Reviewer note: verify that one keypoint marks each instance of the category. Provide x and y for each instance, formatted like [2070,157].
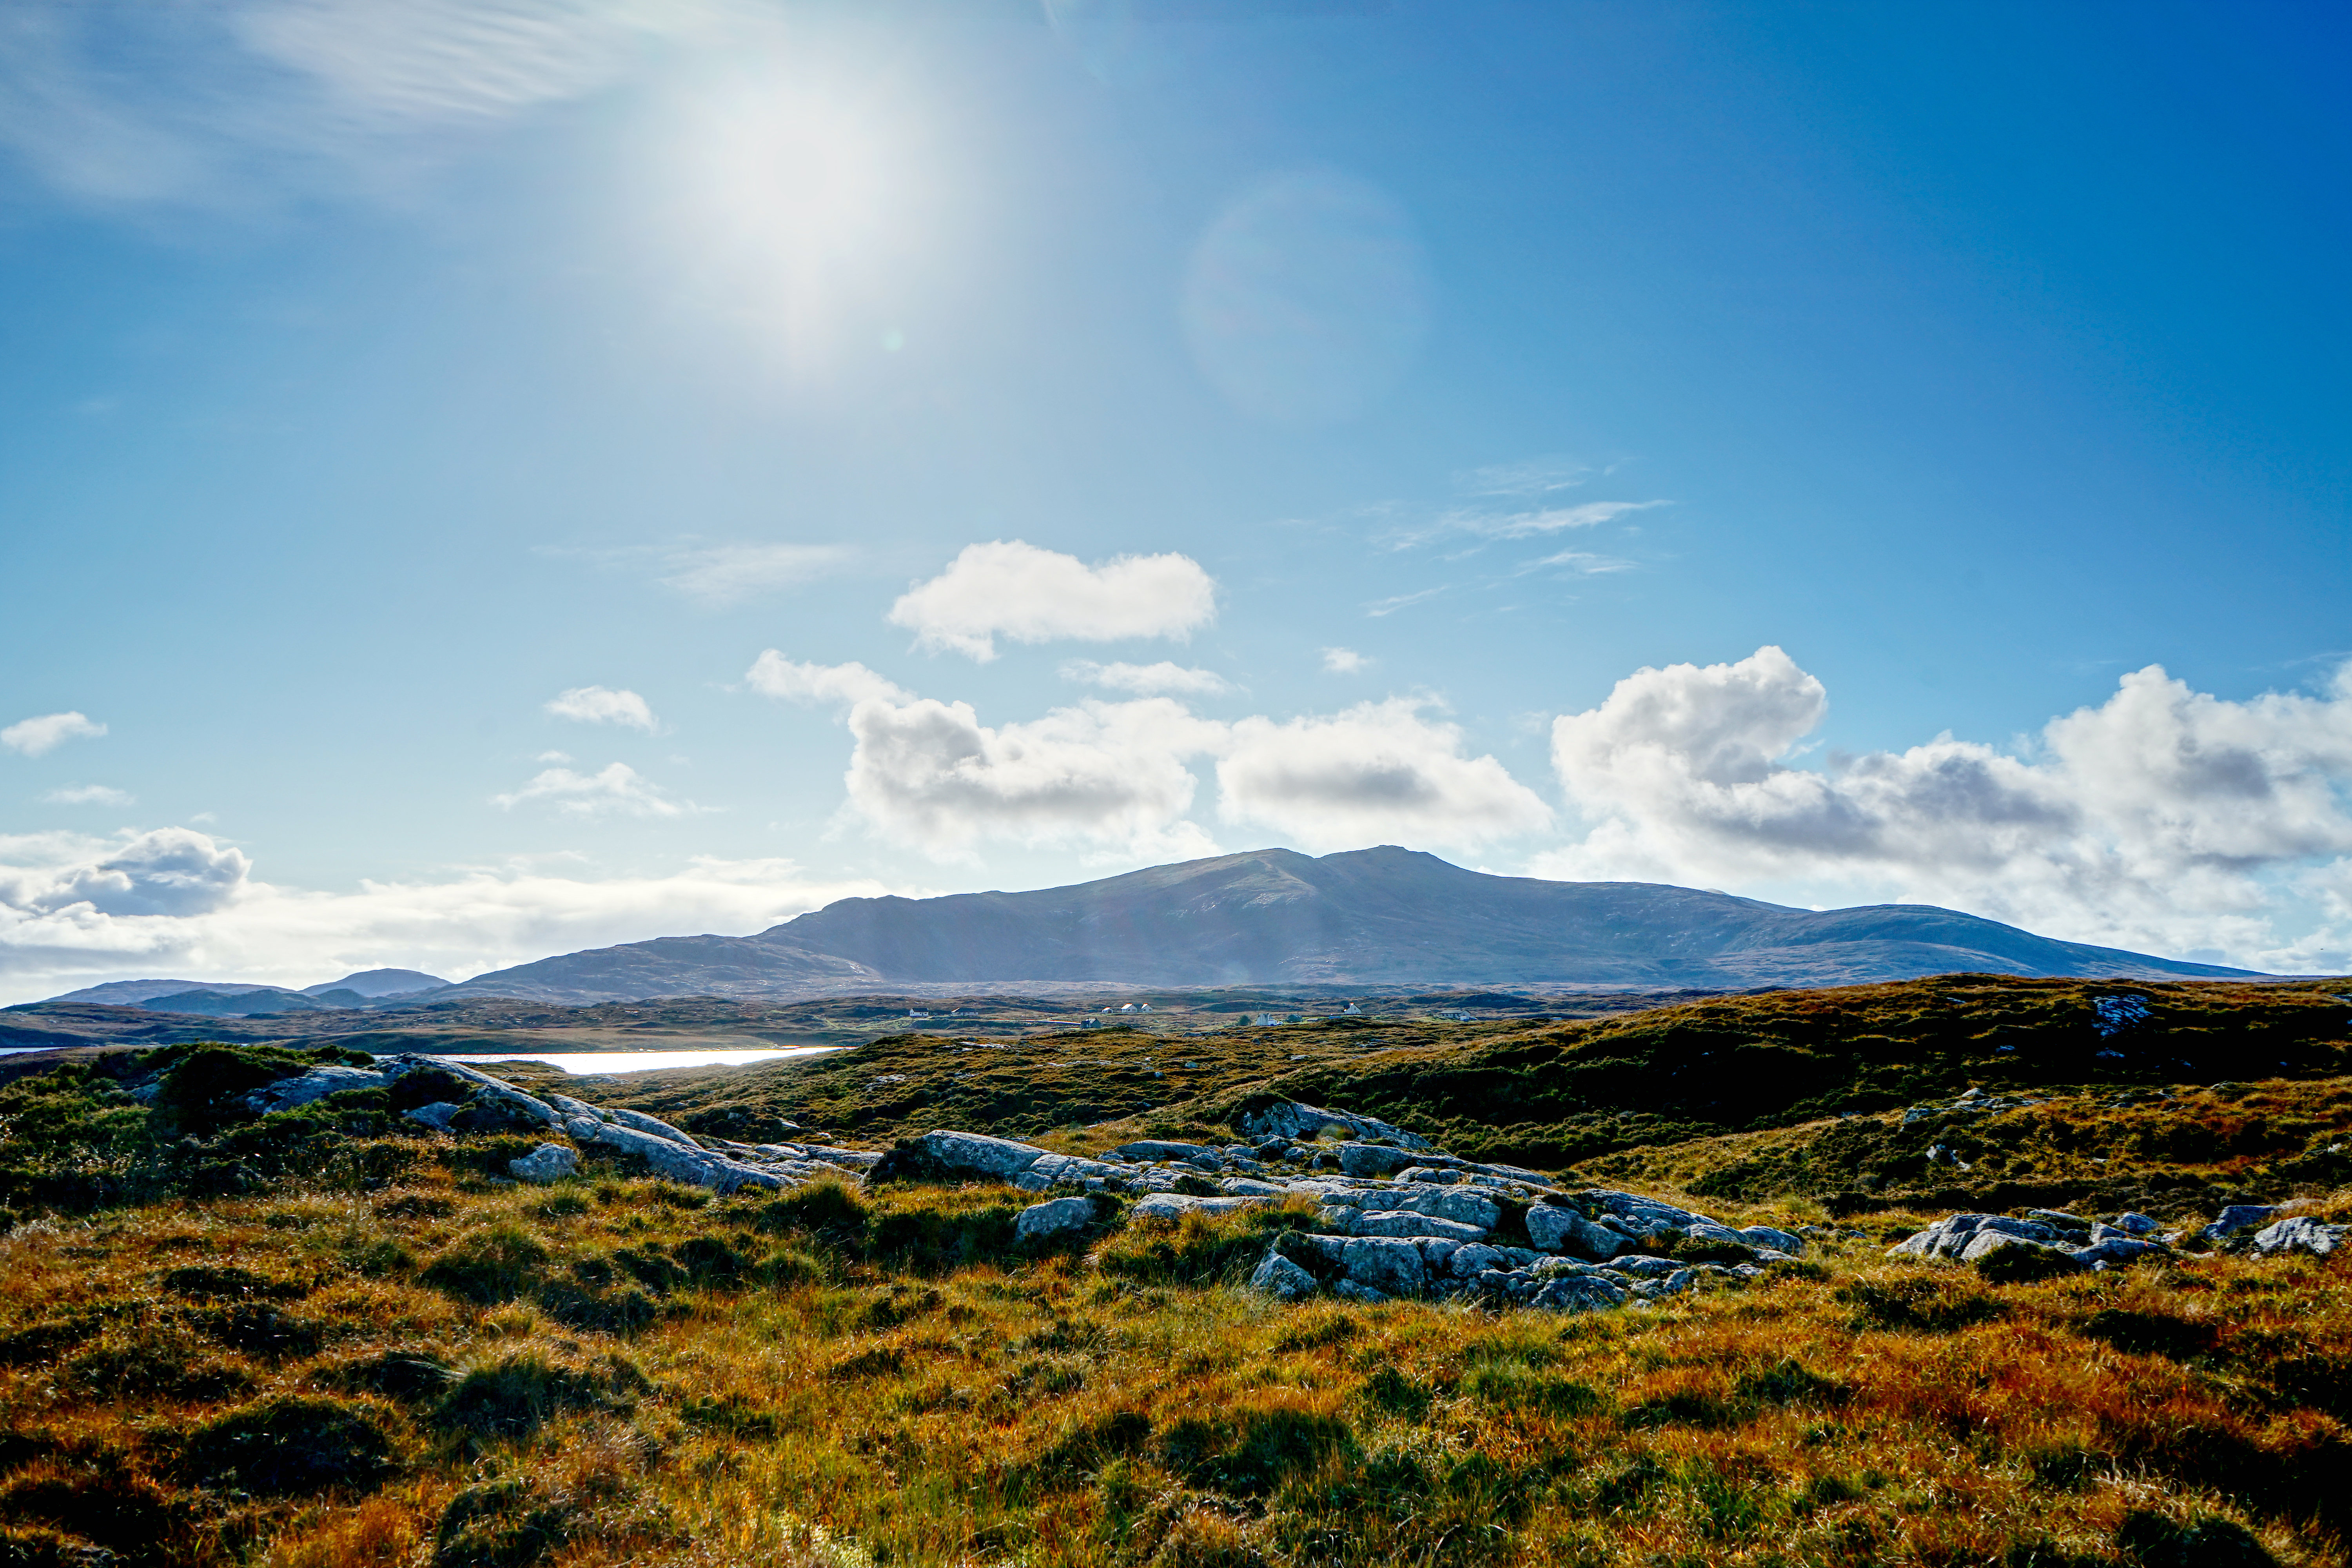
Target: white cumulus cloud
[1107,776]
[39,736]
[617,789]
[2160,819]
[77,910]
[1148,680]
[1012,589]
[603,705]
[1344,661]
[775,676]
[90,795]
[1377,773]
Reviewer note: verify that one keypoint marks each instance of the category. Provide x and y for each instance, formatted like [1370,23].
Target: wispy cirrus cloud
[1575,564]
[724,575]
[231,103]
[90,795]
[1395,601]
[1531,477]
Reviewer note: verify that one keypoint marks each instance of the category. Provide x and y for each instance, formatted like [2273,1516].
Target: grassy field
[318,1340]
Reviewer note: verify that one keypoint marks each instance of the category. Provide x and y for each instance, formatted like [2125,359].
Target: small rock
[1642,1267]
[2299,1234]
[1578,1293]
[1284,1280]
[1389,1265]
[1766,1238]
[1153,1149]
[652,1125]
[548,1163]
[1561,1229]
[2238,1217]
[2135,1225]
[1046,1221]
[2000,1256]
[1400,1222]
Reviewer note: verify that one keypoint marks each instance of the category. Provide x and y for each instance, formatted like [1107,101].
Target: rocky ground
[310,1307]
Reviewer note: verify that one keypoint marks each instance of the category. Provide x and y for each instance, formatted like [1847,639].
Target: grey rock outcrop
[548,1163]
[1562,1229]
[2299,1234]
[2239,1217]
[1054,1219]
[1290,1118]
[1283,1278]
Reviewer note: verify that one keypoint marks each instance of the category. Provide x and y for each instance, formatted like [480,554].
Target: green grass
[322,1338]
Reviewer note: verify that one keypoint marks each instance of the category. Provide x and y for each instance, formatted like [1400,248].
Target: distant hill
[372,982]
[138,993]
[1384,916]
[259,1001]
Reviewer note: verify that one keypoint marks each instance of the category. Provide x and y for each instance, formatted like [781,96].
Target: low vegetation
[328,1337]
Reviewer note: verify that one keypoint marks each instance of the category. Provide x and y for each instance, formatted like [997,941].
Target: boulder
[1284,1280]
[968,1156]
[1157,1149]
[1557,1228]
[1389,1265]
[1049,1171]
[1289,1119]
[438,1115]
[2299,1234]
[1949,1237]
[1578,1293]
[548,1163]
[1998,1255]
[1403,1222]
[1461,1206]
[287,1093]
[1053,1220]
[1765,1238]
[1474,1258]
[652,1125]
[1373,1159]
[2115,1251]
[2238,1217]
[2135,1225]
[694,1168]
[1642,1266]
[1349,1290]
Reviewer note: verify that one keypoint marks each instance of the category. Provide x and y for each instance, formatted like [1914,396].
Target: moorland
[331,1335]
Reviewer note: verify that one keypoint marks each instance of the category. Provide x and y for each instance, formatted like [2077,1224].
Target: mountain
[258,1002]
[373,983]
[138,993]
[1368,917]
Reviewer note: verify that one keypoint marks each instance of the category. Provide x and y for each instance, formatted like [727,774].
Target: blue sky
[1764,447]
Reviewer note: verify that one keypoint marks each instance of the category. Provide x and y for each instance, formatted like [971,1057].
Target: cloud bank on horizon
[2164,819]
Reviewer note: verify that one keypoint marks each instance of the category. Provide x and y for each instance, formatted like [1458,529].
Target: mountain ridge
[1378,915]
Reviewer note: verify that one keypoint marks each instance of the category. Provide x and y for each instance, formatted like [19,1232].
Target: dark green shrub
[507,1524]
[1250,1452]
[409,1377]
[932,1241]
[290,1446]
[2153,1540]
[1937,1302]
[495,1264]
[517,1397]
[2148,1333]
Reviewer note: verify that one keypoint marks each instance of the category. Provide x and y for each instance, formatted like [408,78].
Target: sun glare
[785,213]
